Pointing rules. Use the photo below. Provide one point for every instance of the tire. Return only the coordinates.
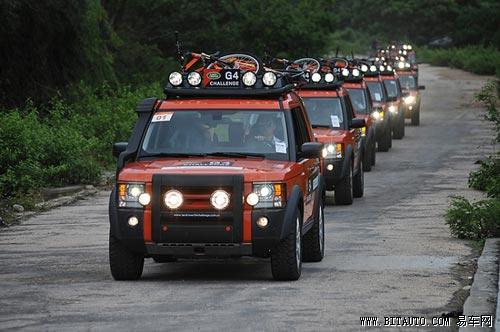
(343, 190)
(286, 258)
(385, 143)
(415, 117)
(358, 182)
(367, 156)
(313, 243)
(124, 264)
(374, 154)
(399, 130)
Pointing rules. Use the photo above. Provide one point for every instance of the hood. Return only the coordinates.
(253, 169)
(327, 135)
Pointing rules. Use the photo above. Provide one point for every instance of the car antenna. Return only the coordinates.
(180, 57)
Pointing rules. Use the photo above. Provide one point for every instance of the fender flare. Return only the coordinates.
(321, 194)
(294, 200)
(113, 218)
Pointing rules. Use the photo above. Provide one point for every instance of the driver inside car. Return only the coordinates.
(263, 134)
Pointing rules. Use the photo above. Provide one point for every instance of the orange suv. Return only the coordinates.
(225, 166)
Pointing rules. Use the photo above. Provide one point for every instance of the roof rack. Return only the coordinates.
(233, 81)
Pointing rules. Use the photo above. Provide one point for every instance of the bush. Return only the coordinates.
(476, 59)
(65, 142)
(474, 221)
(487, 178)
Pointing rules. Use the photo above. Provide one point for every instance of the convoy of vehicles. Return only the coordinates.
(236, 160)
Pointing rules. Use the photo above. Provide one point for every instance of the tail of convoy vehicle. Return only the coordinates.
(225, 166)
(362, 104)
(409, 84)
(334, 123)
(380, 113)
(395, 96)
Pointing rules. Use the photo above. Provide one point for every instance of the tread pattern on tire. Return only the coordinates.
(311, 249)
(283, 259)
(358, 182)
(124, 264)
(343, 191)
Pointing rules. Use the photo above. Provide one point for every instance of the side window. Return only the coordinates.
(299, 127)
(400, 92)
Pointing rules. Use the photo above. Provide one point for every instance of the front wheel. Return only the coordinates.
(399, 130)
(367, 156)
(124, 264)
(385, 142)
(343, 190)
(314, 240)
(359, 181)
(286, 258)
(415, 116)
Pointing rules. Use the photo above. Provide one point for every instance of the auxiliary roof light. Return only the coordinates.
(194, 78)
(269, 78)
(175, 78)
(249, 78)
(329, 78)
(316, 77)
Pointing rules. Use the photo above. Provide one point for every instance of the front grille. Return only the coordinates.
(197, 221)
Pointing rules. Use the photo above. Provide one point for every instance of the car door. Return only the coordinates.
(310, 167)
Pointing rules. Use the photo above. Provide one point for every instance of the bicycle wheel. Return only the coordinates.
(238, 61)
(308, 64)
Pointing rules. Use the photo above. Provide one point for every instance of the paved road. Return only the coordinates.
(388, 254)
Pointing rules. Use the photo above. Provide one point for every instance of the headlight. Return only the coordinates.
(129, 193)
(249, 78)
(269, 79)
(144, 199)
(393, 109)
(329, 77)
(173, 199)
(175, 78)
(333, 151)
(345, 72)
(194, 78)
(355, 72)
(376, 115)
(364, 68)
(267, 195)
(410, 100)
(316, 77)
(220, 199)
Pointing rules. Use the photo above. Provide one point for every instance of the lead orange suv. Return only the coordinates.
(225, 166)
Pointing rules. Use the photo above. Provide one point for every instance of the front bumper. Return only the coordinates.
(335, 175)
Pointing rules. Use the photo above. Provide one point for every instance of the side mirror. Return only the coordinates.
(357, 123)
(421, 87)
(119, 148)
(311, 150)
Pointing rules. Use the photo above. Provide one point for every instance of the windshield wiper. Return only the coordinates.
(236, 154)
(320, 126)
(176, 154)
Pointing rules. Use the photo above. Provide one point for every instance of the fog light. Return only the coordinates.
(329, 167)
(144, 199)
(262, 222)
(219, 199)
(173, 199)
(133, 221)
(252, 199)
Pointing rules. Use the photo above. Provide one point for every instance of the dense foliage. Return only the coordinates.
(481, 219)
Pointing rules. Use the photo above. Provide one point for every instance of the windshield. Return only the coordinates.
(407, 82)
(359, 100)
(392, 88)
(376, 91)
(325, 112)
(220, 132)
